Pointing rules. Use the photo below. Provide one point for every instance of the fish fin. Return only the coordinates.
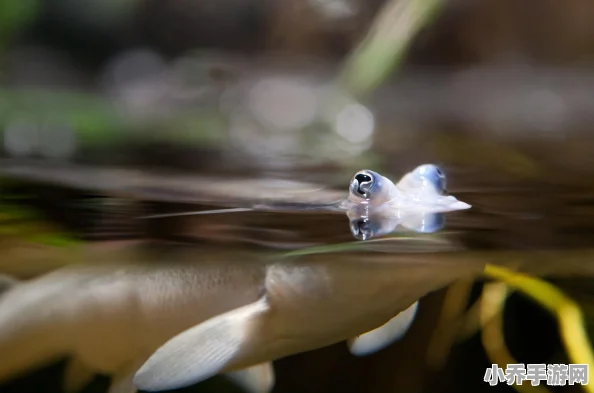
(77, 376)
(201, 351)
(380, 338)
(255, 379)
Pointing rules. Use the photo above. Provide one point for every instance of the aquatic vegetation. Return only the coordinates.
(565, 310)
(21, 223)
(387, 42)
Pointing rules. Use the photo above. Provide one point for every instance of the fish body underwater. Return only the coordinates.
(308, 303)
(166, 324)
(193, 320)
(110, 316)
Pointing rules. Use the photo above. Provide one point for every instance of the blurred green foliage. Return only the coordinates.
(19, 221)
(14, 15)
(383, 49)
(99, 123)
(94, 119)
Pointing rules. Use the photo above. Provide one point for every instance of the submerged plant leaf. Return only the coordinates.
(567, 312)
(408, 242)
(26, 225)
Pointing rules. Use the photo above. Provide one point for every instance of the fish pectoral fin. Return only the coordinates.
(202, 351)
(255, 379)
(382, 337)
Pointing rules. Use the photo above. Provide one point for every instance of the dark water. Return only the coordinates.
(542, 227)
(151, 141)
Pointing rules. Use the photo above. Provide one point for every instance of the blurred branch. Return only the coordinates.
(386, 43)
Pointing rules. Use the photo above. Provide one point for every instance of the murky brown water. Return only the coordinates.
(529, 212)
(543, 233)
(105, 146)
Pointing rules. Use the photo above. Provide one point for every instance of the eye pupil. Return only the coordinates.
(363, 178)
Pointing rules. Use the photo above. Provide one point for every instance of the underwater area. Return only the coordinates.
(296, 196)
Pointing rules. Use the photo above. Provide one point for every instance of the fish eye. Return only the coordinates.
(361, 229)
(434, 176)
(362, 183)
(363, 178)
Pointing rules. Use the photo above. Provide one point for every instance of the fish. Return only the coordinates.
(183, 316)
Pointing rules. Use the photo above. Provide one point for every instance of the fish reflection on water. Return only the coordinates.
(185, 314)
(365, 228)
